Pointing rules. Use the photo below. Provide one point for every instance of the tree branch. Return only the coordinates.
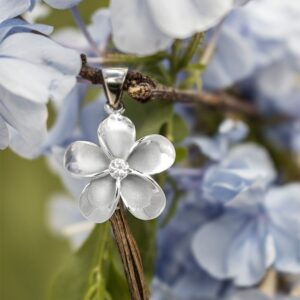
(143, 88)
(130, 256)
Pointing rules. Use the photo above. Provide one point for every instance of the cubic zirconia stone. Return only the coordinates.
(118, 169)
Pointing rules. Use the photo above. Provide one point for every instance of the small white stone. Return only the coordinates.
(118, 169)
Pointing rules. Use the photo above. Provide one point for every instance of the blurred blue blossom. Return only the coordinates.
(161, 291)
(260, 59)
(175, 264)
(11, 26)
(230, 132)
(233, 60)
(286, 135)
(13, 8)
(53, 70)
(242, 166)
(258, 228)
(147, 26)
(65, 220)
(73, 38)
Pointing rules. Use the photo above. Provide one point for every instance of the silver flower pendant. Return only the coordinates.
(120, 167)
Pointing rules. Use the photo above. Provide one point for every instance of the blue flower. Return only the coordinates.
(14, 8)
(230, 132)
(242, 166)
(65, 220)
(45, 70)
(258, 228)
(286, 135)
(175, 265)
(232, 62)
(260, 59)
(11, 26)
(147, 26)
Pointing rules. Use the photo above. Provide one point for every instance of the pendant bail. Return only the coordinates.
(114, 79)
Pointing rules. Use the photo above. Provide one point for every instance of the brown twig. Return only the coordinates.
(130, 256)
(143, 88)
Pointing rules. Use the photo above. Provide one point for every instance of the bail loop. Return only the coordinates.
(114, 79)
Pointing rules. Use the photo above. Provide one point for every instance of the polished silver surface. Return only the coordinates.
(120, 166)
(114, 79)
(116, 136)
(142, 196)
(99, 199)
(85, 159)
(152, 154)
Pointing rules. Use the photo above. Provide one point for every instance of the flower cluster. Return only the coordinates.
(33, 70)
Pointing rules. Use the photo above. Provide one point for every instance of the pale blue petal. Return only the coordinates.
(286, 88)
(134, 30)
(52, 68)
(195, 284)
(183, 18)
(90, 117)
(4, 136)
(18, 25)
(249, 295)
(73, 38)
(233, 130)
(240, 2)
(27, 123)
(252, 157)
(12, 8)
(62, 4)
(213, 148)
(67, 118)
(250, 200)
(56, 163)
(64, 219)
(161, 291)
(283, 208)
(243, 166)
(232, 61)
(100, 27)
(232, 246)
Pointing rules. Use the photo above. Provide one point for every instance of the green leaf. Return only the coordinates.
(190, 51)
(195, 67)
(180, 129)
(116, 282)
(173, 208)
(149, 117)
(181, 154)
(82, 277)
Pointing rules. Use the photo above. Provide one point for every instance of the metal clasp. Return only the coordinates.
(114, 79)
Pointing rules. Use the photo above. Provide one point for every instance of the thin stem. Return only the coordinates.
(211, 45)
(130, 256)
(117, 58)
(80, 24)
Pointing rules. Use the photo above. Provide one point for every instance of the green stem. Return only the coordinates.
(190, 51)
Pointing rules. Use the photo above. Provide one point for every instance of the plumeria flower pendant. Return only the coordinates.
(121, 167)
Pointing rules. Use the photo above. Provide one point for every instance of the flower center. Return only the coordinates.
(118, 168)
